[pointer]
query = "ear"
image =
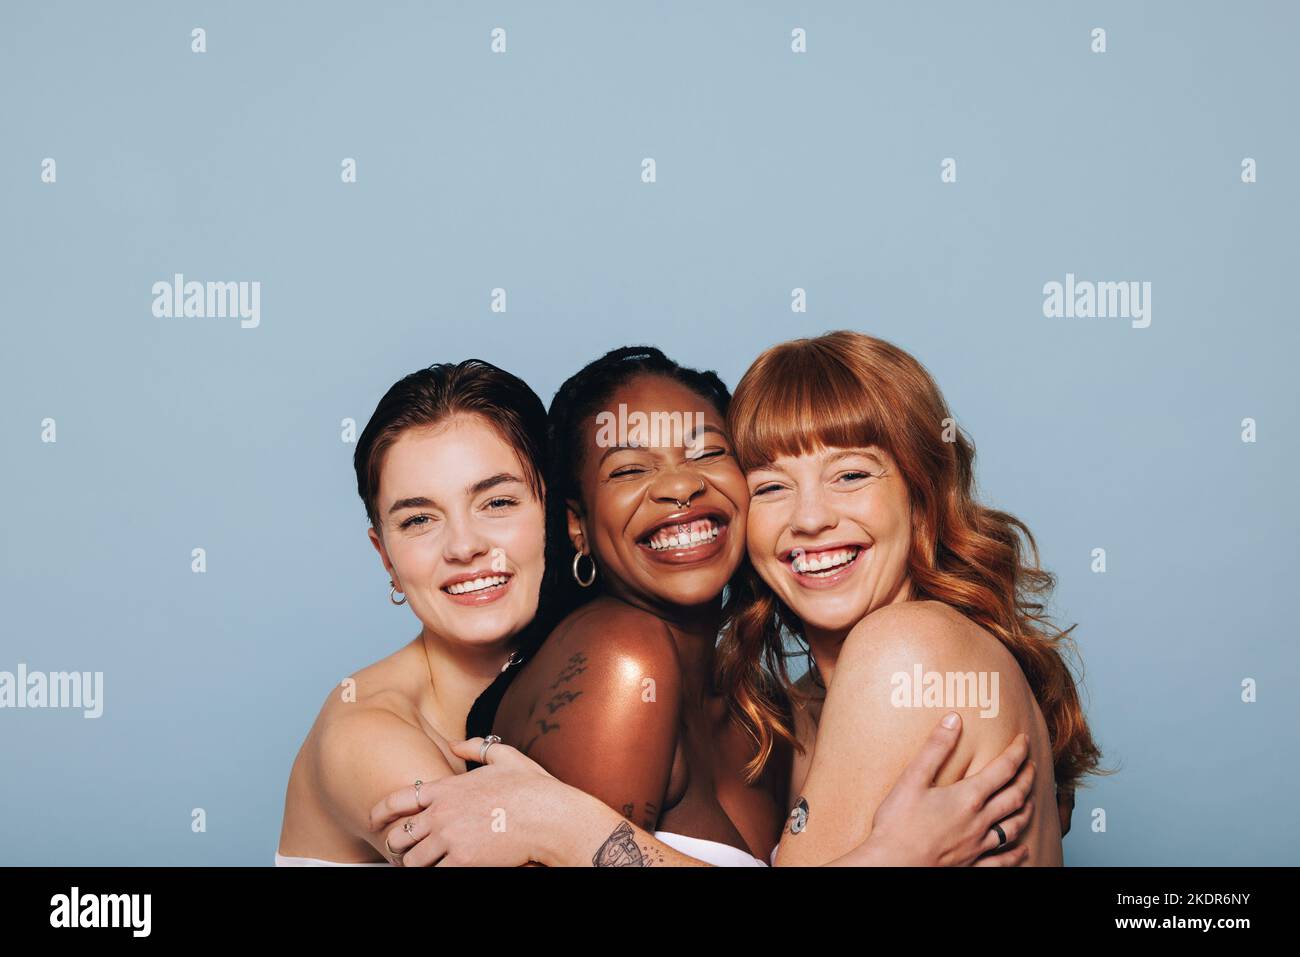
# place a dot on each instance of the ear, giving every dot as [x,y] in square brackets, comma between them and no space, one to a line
[383,555]
[577,528]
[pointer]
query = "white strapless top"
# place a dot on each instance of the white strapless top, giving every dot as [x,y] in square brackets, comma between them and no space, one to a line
[711,852]
[282,861]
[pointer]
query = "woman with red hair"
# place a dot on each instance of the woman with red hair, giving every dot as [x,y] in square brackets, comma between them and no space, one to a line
[867,544]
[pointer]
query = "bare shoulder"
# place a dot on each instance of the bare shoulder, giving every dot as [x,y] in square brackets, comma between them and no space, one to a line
[615,642]
[598,705]
[926,632]
[371,712]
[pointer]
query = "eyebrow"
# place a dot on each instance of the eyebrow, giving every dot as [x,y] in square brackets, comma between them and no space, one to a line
[707,428]
[688,438]
[833,457]
[421,501]
[849,453]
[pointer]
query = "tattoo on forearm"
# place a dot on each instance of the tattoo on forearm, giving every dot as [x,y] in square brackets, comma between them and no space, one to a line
[798,819]
[620,849]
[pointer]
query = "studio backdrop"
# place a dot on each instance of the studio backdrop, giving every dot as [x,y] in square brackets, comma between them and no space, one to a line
[1080,218]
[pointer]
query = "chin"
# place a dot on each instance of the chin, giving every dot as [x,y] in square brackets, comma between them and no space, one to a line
[827,617]
[484,631]
[694,594]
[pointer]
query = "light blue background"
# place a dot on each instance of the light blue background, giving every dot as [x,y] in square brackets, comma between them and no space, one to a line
[522,170]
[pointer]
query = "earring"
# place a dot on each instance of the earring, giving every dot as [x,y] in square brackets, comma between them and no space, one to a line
[392,594]
[577,557]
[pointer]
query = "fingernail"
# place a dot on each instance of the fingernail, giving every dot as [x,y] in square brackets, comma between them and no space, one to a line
[950,719]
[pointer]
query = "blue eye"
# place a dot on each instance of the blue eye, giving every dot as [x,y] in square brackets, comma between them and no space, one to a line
[502,502]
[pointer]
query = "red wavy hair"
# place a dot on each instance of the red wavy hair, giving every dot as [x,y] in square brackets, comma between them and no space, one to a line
[848,390]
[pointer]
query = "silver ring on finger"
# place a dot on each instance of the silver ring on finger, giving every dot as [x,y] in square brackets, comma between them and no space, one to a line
[418,784]
[1002,835]
[397,858]
[490,740]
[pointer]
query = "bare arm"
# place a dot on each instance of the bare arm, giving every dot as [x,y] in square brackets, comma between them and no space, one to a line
[547,821]
[848,782]
[364,753]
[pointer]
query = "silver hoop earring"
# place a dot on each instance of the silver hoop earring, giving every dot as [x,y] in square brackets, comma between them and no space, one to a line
[392,594]
[577,557]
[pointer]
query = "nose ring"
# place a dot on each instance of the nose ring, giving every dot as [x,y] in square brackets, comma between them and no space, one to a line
[686,504]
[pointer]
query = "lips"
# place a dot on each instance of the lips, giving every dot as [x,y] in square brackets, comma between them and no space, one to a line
[478,587]
[683,534]
[825,566]
[688,538]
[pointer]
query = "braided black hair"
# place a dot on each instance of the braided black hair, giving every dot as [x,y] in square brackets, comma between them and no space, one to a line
[579,399]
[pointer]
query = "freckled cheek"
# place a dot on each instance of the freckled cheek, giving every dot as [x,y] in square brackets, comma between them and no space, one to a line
[763,535]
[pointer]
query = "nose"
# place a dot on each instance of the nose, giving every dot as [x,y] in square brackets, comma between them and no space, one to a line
[677,487]
[464,541]
[812,513]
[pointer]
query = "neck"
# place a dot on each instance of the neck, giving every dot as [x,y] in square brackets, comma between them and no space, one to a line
[696,640]
[824,645]
[454,677]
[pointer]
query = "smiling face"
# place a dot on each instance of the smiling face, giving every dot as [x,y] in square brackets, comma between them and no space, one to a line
[830,532]
[463,533]
[663,506]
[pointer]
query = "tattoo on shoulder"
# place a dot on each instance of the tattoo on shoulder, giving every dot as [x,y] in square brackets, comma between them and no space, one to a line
[575,666]
[620,850]
[798,818]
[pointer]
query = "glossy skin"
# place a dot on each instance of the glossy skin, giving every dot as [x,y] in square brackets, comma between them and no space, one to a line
[864,628]
[619,702]
[454,505]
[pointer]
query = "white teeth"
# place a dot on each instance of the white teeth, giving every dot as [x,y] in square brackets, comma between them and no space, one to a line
[823,562]
[478,584]
[699,532]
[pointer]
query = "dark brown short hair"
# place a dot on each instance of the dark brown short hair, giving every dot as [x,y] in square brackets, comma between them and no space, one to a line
[430,396]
